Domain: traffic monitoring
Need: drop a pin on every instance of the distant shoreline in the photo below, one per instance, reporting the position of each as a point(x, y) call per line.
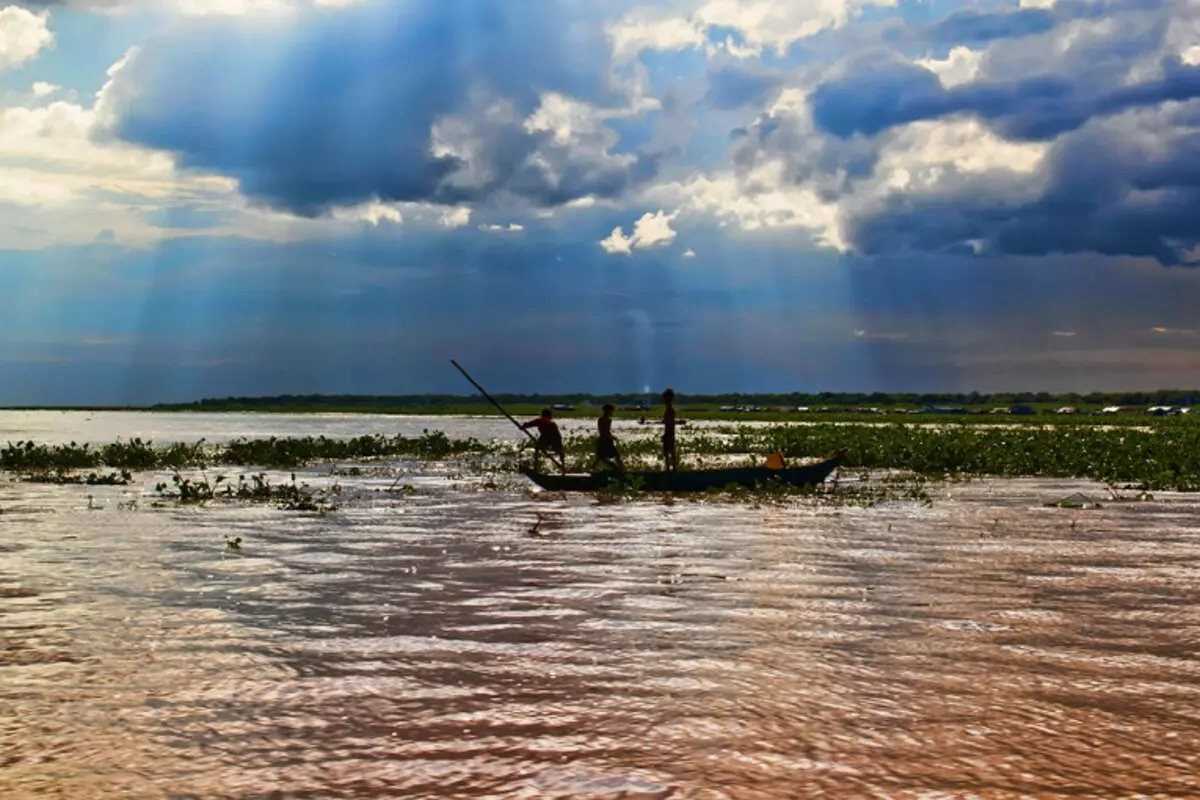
point(826, 406)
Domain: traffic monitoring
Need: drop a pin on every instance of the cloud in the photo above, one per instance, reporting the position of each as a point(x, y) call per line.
point(875, 96)
point(23, 35)
point(193, 7)
point(1107, 189)
point(645, 30)
point(735, 87)
point(424, 101)
point(961, 65)
point(976, 27)
point(455, 217)
point(1076, 136)
point(1053, 127)
point(759, 24)
point(652, 230)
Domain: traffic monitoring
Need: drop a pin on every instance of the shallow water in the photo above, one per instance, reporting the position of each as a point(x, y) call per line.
point(456, 642)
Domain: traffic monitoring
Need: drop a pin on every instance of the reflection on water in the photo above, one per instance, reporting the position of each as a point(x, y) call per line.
point(459, 643)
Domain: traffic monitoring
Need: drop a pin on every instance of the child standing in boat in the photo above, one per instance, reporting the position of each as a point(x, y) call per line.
point(670, 456)
point(606, 445)
point(549, 438)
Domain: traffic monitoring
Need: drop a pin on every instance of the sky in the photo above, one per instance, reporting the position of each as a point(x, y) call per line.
point(211, 198)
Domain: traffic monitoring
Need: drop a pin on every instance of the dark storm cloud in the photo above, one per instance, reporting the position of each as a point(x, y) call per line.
point(337, 108)
point(875, 96)
point(1103, 196)
point(1100, 83)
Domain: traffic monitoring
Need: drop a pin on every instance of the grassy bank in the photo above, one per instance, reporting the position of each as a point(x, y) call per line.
point(1165, 455)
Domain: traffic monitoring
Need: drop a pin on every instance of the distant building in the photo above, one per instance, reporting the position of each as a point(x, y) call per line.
point(1067, 410)
point(1111, 410)
point(1021, 408)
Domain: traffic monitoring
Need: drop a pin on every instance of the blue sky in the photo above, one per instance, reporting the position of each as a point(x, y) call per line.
point(241, 197)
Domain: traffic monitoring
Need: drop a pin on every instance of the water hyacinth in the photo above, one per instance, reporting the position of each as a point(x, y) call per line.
point(1154, 457)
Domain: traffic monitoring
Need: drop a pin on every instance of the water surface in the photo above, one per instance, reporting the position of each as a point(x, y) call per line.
point(458, 642)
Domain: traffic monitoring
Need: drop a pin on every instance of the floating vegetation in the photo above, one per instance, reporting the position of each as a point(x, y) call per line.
point(61, 477)
point(1162, 456)
point(134, 455)
point(295, 452)
point(864, 492)
point(272, 453)
point(291, 496)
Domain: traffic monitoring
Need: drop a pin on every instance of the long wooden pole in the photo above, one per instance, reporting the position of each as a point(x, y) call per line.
point(493, 401)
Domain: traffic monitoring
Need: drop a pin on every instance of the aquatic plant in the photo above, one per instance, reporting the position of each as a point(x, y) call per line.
point(291, 496)
point(273, 453)
point(1163, 455)
point(60, 477)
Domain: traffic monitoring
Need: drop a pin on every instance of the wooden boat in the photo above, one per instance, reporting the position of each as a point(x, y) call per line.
point(686, 481)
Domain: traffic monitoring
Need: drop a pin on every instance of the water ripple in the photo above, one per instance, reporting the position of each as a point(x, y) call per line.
point(432, 646)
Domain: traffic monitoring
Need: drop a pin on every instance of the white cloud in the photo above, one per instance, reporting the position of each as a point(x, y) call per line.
point(23, 35)
point(231, 7)
point(57, 138)
point(455, 217)
point(761, 24)
point(654, 228)
point(960, 66)
point(565, 118)
point(512, 227)
point(763, 200)
point(68, 187)
point(646, 31)
point(689, 253)
point(800, 179)
point(921, 155)
point(43, 89)
point(373, 212)
point(26, 187)
point(734, 49)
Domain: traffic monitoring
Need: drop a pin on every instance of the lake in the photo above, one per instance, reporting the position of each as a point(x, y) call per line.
point(456, 641)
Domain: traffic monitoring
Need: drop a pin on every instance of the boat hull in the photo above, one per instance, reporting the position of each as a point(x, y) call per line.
point(687, 481)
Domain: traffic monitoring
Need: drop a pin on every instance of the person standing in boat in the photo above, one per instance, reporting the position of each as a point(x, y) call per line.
point(549, 439)
point(670, 456)
point(606, 444)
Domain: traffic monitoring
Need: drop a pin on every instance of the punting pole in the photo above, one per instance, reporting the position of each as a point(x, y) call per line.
point(493, 401)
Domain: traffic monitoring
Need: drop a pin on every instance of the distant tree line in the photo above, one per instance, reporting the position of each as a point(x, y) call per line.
point(1163, 397)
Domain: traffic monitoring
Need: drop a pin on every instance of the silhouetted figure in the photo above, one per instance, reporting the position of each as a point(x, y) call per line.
point(670, 456)
point(606, 444)
point(549, 439)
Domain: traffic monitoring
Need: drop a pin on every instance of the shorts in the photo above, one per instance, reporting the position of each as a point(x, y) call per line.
point(606, 449)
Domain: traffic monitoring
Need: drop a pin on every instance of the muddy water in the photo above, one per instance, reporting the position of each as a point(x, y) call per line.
point(456, 642)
